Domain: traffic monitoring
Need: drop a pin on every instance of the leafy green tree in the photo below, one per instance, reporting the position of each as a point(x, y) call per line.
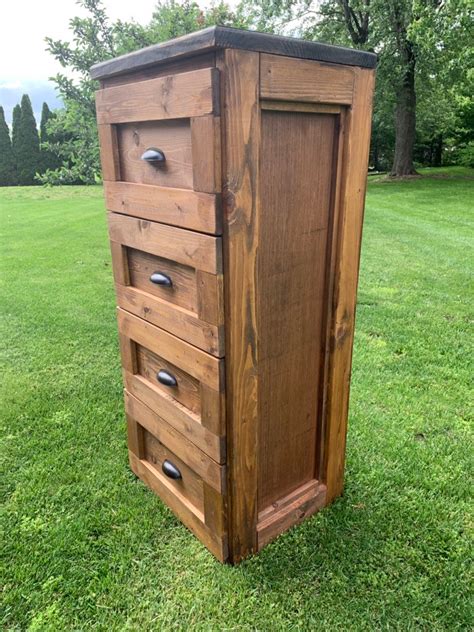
point(27, 150)
point(95, 38)
point(172, 19)
point(419, 44)
point(49, 159)
point(7, 158)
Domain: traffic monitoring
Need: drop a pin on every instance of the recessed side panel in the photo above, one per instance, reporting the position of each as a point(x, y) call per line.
point(296, 179)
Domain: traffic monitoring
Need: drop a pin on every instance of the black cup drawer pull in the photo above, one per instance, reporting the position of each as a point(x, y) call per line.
point(165, 378)
point(171, 470)
point(153, 156)
point(158, 278)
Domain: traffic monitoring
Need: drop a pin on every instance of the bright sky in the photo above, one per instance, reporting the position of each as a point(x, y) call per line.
point(25, 24)
point(25, 65)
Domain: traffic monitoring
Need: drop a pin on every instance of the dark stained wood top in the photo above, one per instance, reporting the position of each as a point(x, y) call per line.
point(216, 37)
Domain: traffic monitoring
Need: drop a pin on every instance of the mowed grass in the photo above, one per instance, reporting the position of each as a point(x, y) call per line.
point(87, 546)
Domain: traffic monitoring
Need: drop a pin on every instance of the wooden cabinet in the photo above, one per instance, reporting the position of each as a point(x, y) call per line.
point(234, 171)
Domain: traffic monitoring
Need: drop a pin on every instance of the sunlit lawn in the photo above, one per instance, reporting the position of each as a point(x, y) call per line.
point(87, 546)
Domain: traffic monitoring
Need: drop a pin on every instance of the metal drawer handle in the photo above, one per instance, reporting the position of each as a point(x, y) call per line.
point(166, 378)
point(171, 470)
point(158, 278)
point(153, 156)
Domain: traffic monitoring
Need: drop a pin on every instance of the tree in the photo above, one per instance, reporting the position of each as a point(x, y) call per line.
point(419, 43)
point(46, 114)
point(27, 150)
point(172, 19)
point(7, 158)
point(16, 118)
point(49, 160)
point(96, 38)
point(382, 26)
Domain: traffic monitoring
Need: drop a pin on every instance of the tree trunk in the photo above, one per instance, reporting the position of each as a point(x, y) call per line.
point(376, 156)
point(405, 118)
point(375, 152)
point(438, 151)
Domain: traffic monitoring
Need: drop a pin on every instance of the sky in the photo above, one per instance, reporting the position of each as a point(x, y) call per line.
point(25, 65)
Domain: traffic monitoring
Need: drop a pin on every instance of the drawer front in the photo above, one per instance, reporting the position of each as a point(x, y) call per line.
point(184, 385)
point(188, 480)
point(179, 183)
point(172, 138)
point(171, 278)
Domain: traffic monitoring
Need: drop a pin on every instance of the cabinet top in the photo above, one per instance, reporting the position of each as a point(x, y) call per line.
point(216, 37)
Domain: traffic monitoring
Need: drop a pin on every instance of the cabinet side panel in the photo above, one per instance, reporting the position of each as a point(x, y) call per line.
point(296, 179)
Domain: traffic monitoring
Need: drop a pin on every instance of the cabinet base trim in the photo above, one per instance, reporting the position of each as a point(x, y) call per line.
point(289, 510)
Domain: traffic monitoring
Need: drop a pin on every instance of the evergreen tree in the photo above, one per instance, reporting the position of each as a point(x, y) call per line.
point(27, 150)
point(7, 159)
point(46, 114)
point(48, 158)
point(15, 127)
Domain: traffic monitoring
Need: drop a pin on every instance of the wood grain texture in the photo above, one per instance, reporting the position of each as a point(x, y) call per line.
point(172, 318)
point(180, 417)
point(186, 392)
point(135, 438)
point(301, 80)
point(204, 367)
point(296, 174)
point(354, 178)
point(298, 106)
point(194, 290)
point(173, 138)
point(109, 156)
point(120, 266)
point(178, 207)
point(171, 67)
point(206, 150)
point(190, 485)
point(196, 250)
point(215, 38)
point(183, 448)
point(175, 96)
point(210, 290)
point(185, 510)
point(213, 409)
point(331, 264)
point(291, 510)
point(128, 354)
point(215, 514)
point(183, 292)
point(240, 207)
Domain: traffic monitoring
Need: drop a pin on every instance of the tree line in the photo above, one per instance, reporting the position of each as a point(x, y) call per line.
point(23, 153)
point(423, 105)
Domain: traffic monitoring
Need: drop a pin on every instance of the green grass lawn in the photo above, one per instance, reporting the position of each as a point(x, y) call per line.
point(87, 546)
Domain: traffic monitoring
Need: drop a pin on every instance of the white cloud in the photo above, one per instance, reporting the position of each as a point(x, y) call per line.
point(25, 24)
point(10, 85)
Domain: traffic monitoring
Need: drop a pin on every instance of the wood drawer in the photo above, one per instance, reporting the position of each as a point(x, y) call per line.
point(182, 189)
point(195, 405)
point(197, 496)
point(190, 302)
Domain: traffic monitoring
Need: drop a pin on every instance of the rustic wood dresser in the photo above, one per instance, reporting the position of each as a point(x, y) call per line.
point(234, 168)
